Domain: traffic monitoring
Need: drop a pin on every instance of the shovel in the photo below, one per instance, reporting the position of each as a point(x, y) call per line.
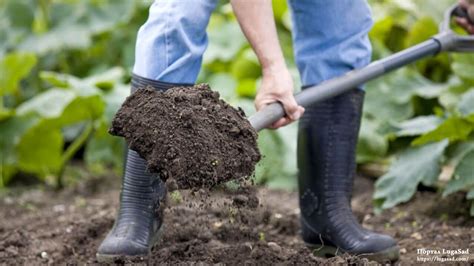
point(446, 40)
point(170, 155)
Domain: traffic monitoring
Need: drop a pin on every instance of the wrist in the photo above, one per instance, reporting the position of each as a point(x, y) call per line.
point(274, 67)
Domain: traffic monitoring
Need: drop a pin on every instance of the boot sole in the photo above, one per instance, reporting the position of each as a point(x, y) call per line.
point(123, 258)
point(391, 254)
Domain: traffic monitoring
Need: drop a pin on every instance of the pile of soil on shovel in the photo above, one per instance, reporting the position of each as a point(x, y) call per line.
point(189, 135)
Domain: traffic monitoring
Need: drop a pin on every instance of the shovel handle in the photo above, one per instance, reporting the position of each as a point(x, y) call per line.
point(446, 40)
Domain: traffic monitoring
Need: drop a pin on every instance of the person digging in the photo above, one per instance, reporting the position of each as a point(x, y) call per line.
point(330, 38)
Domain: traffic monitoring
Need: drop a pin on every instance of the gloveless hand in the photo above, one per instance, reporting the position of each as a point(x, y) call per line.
point(277, 86)
point(463, 22)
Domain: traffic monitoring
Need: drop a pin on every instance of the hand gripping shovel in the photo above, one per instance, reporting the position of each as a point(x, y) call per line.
point(445, 40)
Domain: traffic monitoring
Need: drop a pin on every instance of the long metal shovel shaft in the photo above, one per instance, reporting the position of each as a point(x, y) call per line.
point(351, 80)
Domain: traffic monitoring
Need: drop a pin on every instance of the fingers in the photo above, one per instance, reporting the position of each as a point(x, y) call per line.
point(292, 109)
point(465, 24)
point(281, 123)
point(286, 120)
point(277, 86)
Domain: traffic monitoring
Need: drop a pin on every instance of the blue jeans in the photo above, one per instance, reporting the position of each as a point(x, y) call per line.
point(329, 39)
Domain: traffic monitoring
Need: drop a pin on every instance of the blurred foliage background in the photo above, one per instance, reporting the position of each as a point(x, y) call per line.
point(65, 66)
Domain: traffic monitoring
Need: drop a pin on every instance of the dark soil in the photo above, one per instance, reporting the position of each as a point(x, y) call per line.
point(257, 227)
point(188, 134)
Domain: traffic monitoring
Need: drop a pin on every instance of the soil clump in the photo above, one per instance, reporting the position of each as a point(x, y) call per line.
point(189, 135)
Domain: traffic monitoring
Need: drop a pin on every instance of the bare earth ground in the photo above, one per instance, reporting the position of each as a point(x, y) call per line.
point(45, 227)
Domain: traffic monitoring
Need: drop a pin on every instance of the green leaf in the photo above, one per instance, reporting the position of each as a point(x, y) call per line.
point(224, 84)
point(55, 79)
point(278, 165)
point(466, 106)
point(414, 165)
point(247, 88)
point(67, 36)
point(64, 106)
point(451, 97)
point(389, 98)
point(458, 151)
point(13, 68)
point(87, 108)
point(245, 68)
point(453, 129)
point(382, 105)
point(49, 104)
point(463, 178)
point(470, 194)
point(271, 146)
point(279, 8)
point(103, 148)
point(39, 150)
point(423, 29)
point(463, 66)
point(11, 132)
point(106, 80)
point(6, 113)
point(417, 126)
point(372, 145)
point(381, 29)
point(114, 99)
point(225, 41)
point(13, 8)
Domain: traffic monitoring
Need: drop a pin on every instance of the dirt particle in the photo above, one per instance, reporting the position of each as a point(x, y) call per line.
point(274, 246)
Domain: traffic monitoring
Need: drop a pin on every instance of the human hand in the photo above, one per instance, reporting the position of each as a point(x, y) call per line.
point(464, 22)
point(277, 86)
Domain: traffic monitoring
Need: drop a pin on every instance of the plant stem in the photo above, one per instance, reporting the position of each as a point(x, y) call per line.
point(71, 150)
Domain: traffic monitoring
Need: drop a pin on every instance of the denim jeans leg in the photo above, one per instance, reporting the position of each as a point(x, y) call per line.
point(330, 37)
point(172, 41)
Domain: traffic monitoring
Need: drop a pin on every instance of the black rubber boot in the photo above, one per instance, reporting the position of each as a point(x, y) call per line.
point(327, 140)
point(139, 221)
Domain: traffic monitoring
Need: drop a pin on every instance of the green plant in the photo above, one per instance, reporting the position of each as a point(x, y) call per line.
point(34, 133)
point(423, 114)
point(46, 117)
point(63, 65)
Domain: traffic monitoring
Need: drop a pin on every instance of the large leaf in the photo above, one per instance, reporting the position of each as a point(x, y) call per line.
point(463, 66)
point(389, 97)
point(64, 106)
point(39, 150)
point(225, 40)
point(417, 126)
point(470, 196)
point(49, 104)
point(453, 129)
point(245, 66)
point(463, 178)
point(414, 165)
point(11, 132)
point(104, 148)
point(225, 84)
point(114, 99)
point(278, 165)
point(466, 106)
point(13, 68)
point(383, 105)
point(72, 25)
point(372, 145)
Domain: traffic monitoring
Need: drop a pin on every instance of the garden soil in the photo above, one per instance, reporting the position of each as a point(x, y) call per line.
point(257, 226)
point(189, 135)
